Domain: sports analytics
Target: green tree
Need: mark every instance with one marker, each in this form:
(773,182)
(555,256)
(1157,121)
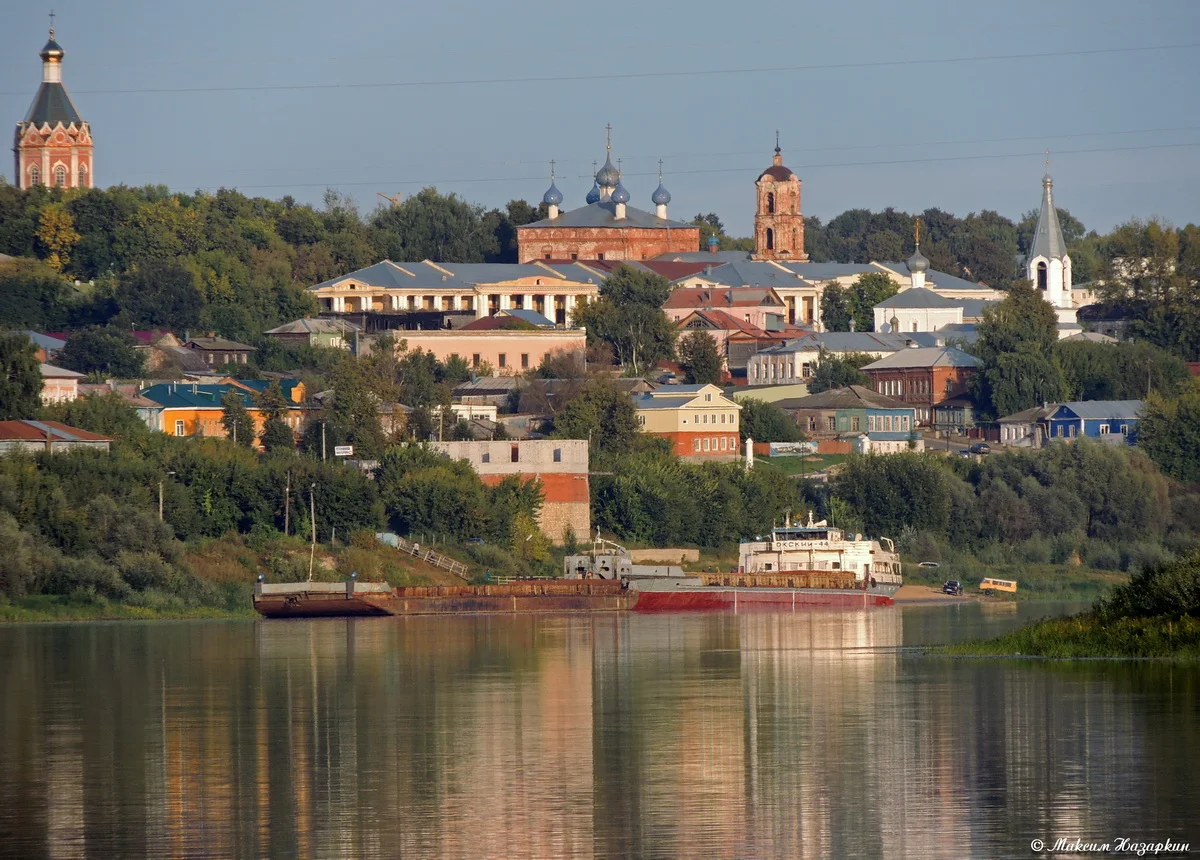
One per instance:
(1169,433)
(432,226)
(20,377)
(628,315)
(105,350)
(276,434)
(766,422)
(700,358)
(867,291)
(235,418)
(1016,348)
(160,294)
(835,308)
(107,414)
(600,413)
(34,296)
(839,371)
(1120,371)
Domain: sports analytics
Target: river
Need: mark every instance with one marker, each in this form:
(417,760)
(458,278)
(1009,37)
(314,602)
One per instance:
(819,734)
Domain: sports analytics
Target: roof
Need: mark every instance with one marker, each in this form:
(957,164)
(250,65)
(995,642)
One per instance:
(1029,416)
(49,371)
(850,397)
(974,308)
(717,297)
(721,321)
(487,385)
(751,273)
(828,271)
(1101,409)
(1091,337)
(148,338)
(856,341)
(603,214)
(37,431)
(126,391)
(530,316)
(777,172)
(936,356)
(314,326)
(217,343)
(195,394)
(720,257)
(1048,239)
(509,320)
(918,298)
(52,105)
(45,341)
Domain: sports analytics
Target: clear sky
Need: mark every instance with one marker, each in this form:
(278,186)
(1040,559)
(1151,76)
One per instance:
(878,103)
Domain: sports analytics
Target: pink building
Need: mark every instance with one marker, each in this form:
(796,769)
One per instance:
(59,385)
(761,307)
(506,352)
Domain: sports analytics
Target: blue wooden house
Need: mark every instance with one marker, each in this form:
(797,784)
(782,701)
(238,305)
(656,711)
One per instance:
(1106,420)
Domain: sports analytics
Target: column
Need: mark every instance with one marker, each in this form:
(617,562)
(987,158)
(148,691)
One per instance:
(570,300)
(47,179)
(505,301)
(527,302)
(480,305)
(73,179)
(395,299)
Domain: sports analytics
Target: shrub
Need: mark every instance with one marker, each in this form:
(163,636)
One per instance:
(1168,589)
(88,575)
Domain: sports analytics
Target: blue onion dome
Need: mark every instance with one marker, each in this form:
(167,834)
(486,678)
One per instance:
(607,176)
(593,196)
(620,195)
(918,262)
(552,197)
(661,196)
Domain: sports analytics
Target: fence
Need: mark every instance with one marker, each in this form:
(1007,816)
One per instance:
(426,555)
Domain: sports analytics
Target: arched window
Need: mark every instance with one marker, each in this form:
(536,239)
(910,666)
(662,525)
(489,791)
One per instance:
(60,176)
(771,203)
(770,239)
(35,175)
(1041,276)
(83,176)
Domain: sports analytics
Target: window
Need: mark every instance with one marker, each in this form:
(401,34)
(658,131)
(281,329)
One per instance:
(524,359)
(1041,276)
(707,398)
(832,421)
(180,429)
(704,418)
(547,256)
(1104,429)
(870,423)
(854,423)
(770,239)
(35,175)
(503,360)
(722,417)
(558,455)
(641,420)
(812,422)
(599,256)
(82,175)
(486,458)
(516,453)
(914,325)
(697,444)
(724,443)
(574,256)
(1071,431)
(1124,429)
(60,176)
(706,443)
(770,205)
(475,360)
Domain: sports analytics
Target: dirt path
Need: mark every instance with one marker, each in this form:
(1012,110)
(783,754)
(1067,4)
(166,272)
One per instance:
(928,594)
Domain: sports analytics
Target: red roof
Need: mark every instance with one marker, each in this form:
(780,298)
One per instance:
(36,431)
(719,297)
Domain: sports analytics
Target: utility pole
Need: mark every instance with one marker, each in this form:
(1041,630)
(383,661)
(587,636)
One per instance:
(322,441)
(287,502)
(160,497)
(312,501)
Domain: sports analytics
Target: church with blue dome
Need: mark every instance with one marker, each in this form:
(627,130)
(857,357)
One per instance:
(608,226)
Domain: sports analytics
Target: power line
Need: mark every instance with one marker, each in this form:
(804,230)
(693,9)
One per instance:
(803,167)
(930,61)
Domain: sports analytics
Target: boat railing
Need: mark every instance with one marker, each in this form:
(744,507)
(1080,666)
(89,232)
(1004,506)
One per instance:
(428,556)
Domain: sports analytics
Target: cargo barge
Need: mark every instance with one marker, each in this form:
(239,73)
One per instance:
(337,599)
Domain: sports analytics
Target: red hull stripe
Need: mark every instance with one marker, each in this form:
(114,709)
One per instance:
(750,601)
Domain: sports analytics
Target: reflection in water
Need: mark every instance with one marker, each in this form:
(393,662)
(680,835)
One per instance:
(808,734)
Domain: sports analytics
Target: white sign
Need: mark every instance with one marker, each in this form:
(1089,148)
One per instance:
(343,450)
(804,544)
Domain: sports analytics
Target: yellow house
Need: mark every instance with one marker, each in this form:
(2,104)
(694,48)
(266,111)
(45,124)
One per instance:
(699,420)
(194,409)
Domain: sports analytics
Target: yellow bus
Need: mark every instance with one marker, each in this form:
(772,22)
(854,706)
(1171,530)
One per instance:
(988,585)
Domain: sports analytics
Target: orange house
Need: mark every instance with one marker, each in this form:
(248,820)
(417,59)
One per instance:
(194,409)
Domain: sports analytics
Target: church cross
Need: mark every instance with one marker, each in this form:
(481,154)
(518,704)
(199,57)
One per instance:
(552,162)
(660,170)
(608,137)
(917,231)
(1047,159)
(51,21)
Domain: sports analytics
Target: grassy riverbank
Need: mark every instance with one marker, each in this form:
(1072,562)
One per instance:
(1155,615)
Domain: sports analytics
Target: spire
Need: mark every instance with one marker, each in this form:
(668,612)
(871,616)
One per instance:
(593,196)
(553,197)
(608,177)
(1048,239)
(778,151)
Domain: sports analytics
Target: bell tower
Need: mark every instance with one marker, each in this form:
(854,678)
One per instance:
(53,145)
(778,224)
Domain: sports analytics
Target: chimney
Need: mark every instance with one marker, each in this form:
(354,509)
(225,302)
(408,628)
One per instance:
(708,270)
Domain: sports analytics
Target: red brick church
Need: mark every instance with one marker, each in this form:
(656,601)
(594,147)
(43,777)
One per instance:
(53,144)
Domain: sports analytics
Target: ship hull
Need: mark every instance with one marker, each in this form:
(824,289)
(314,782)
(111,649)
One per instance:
(687,598)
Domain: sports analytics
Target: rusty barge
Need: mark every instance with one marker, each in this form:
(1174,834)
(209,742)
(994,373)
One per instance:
(339,599)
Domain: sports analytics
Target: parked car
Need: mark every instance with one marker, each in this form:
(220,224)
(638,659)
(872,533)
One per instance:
(952,586)
(667,379)
(980,448)
(475,541)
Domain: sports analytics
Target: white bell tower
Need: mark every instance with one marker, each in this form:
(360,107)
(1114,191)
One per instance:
(1049,265)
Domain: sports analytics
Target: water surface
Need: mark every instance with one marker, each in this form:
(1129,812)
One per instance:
(808,735)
